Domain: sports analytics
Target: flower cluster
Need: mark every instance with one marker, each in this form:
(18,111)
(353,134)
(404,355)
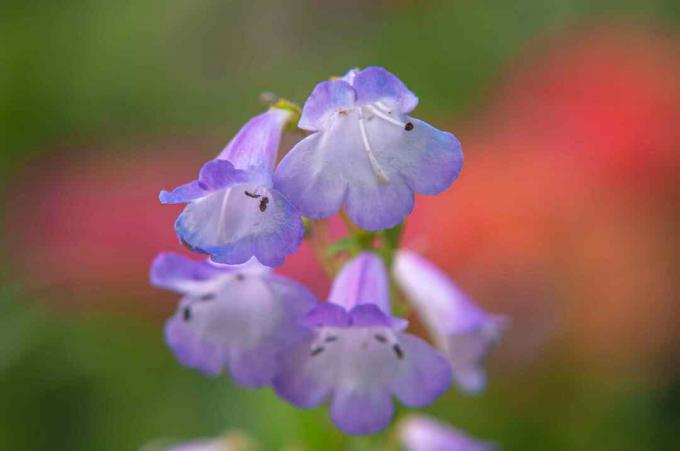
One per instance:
(364,157)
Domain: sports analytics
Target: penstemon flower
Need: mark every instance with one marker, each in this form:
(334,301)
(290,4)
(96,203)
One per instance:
(423,433)
(235,318)
(367,156)
(234,212)
(461,329)
(366,152)
(360,356)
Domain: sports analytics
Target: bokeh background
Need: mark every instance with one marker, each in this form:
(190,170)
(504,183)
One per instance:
(566,217)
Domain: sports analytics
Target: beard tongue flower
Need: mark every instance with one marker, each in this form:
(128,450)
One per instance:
(461,329)
(366,152)
(359,356)
(234,318)
(234,212)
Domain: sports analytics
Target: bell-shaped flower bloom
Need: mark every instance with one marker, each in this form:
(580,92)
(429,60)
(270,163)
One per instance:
(424,433)
(366,152)
(460,328)
(234,212)
(359,356)
(234,318)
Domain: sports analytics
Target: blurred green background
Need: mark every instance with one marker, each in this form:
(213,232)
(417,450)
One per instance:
(102,104)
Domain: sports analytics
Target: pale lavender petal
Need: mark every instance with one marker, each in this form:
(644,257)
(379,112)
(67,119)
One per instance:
(306,177)
(183,193)
(300,379)
(328,168)
(255,367)
(327,314)
(257,143)
(423,375)
(359,412)
(182,274)
(232,226)
(428,159)
(374,205)
(369,315)
(424,433)
(191,351)
(214,175)
(375,84)
(468,350)
(362,280)
(327,98)
(244,325)
(464,331)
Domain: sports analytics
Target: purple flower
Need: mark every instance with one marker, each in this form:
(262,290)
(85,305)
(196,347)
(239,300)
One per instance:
(461,329)
(423,433)
(238,318)
(359,356)
(233,211)
(366,152)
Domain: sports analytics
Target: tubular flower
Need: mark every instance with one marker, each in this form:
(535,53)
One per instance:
(234,212)
(461,329)
(359,356)
(365,152)
(235,318)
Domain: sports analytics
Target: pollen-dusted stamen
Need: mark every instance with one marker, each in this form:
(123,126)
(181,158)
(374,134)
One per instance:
(409,126)
(371,157)
(398,351)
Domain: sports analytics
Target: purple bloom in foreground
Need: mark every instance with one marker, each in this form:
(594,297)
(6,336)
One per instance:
(366,152)
(423,433)
(233,211)
(461,329)
(359,356)
(235,318)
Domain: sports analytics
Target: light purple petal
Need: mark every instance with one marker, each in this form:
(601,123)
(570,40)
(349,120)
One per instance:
(255,367)
(306,177)
(327,314)
(232,226)
(191,351)
(257,143)
(460,328)
(468,350)
(362,280)
(334,166)
(359,412)
(182,274)
(428,159)
(369,315)
(424,373)
(298,380)
(183,193)
(424,433)
(375,84)
(327,98)
(214,175)
(243,325)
